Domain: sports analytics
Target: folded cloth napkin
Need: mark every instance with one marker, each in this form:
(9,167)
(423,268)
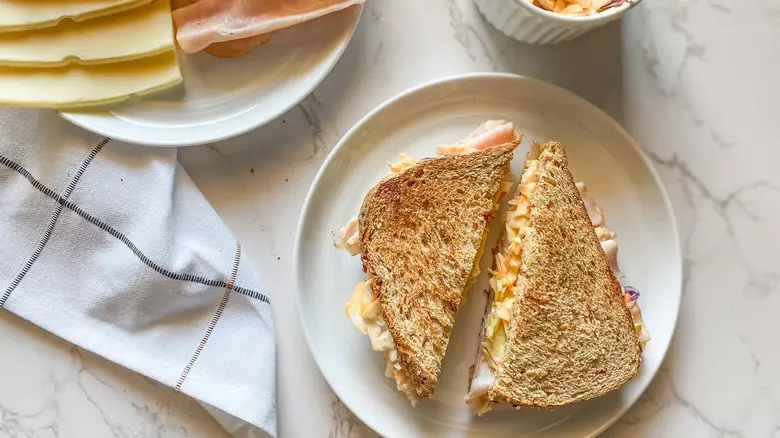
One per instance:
(112,247)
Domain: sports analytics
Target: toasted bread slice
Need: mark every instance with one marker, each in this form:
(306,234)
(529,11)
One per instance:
(570,336)
(421,231)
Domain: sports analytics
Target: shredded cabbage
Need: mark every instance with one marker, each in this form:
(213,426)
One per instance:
(364,311)
(578,7)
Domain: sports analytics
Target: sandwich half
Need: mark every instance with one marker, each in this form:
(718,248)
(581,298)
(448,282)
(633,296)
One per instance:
(557,326)
(420,233)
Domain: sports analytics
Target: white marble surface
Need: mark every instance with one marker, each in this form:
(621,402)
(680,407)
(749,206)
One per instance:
(696,83)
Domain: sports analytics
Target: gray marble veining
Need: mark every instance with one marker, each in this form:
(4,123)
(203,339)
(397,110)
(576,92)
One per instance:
(695,82)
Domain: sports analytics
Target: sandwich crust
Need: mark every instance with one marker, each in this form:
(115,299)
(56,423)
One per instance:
(420,232)
(571,337)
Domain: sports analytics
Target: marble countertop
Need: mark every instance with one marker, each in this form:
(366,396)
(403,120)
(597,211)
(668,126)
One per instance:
(695,82)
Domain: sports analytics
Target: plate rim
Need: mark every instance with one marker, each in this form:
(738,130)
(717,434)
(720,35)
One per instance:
(73,117)
(302,221)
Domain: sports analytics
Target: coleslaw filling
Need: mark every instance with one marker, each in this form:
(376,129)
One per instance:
(363,307)
(577,7)
(364,310)
(503,284)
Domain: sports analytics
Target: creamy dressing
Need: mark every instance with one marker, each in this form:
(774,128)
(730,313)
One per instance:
(503,285)
(505,276)
(364,311)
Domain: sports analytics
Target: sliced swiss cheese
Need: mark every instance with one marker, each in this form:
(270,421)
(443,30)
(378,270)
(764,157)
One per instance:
(144,31)
(35,14)
(80,85)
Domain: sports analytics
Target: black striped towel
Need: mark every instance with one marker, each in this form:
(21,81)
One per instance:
(112,247)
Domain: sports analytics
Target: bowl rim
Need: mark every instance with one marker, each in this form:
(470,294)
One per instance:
(601,17)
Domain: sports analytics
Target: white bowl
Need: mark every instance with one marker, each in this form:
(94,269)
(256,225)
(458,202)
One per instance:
(523,21)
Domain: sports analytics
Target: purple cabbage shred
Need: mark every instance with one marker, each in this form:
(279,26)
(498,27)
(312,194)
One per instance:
(632,292)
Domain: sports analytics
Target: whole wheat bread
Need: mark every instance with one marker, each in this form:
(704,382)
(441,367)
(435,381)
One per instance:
(420,232)
(571,336)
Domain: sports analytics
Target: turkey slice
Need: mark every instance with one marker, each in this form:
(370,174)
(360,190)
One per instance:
(231,49)
(205,22)
(228,49)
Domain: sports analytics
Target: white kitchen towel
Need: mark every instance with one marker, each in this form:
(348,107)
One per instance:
(112,247)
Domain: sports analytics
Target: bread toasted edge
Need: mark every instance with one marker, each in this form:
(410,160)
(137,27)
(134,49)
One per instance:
(425,381)
(554,152)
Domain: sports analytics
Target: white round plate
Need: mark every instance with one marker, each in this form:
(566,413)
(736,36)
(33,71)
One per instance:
(222,98)
(601,154)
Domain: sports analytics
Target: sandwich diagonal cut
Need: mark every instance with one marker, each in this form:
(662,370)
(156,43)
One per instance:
(556,328)
(421,232)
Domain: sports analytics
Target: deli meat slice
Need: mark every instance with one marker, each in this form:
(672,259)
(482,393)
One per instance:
(205,22)
(228,49)
(231,49)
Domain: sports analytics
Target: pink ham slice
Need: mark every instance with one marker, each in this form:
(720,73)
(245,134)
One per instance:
(228,49)
(205,22)
(231,49)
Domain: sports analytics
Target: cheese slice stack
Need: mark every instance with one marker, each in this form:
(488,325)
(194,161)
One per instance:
(83,61)
(18,15)
(135,34)
(79,86)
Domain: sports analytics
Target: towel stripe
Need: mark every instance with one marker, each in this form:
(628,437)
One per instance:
(38,249)
(214,320)
(121,237)
(50,226)
(35,183)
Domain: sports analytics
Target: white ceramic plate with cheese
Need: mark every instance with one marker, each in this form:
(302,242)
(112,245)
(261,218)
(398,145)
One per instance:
(601,154)
(223,98)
